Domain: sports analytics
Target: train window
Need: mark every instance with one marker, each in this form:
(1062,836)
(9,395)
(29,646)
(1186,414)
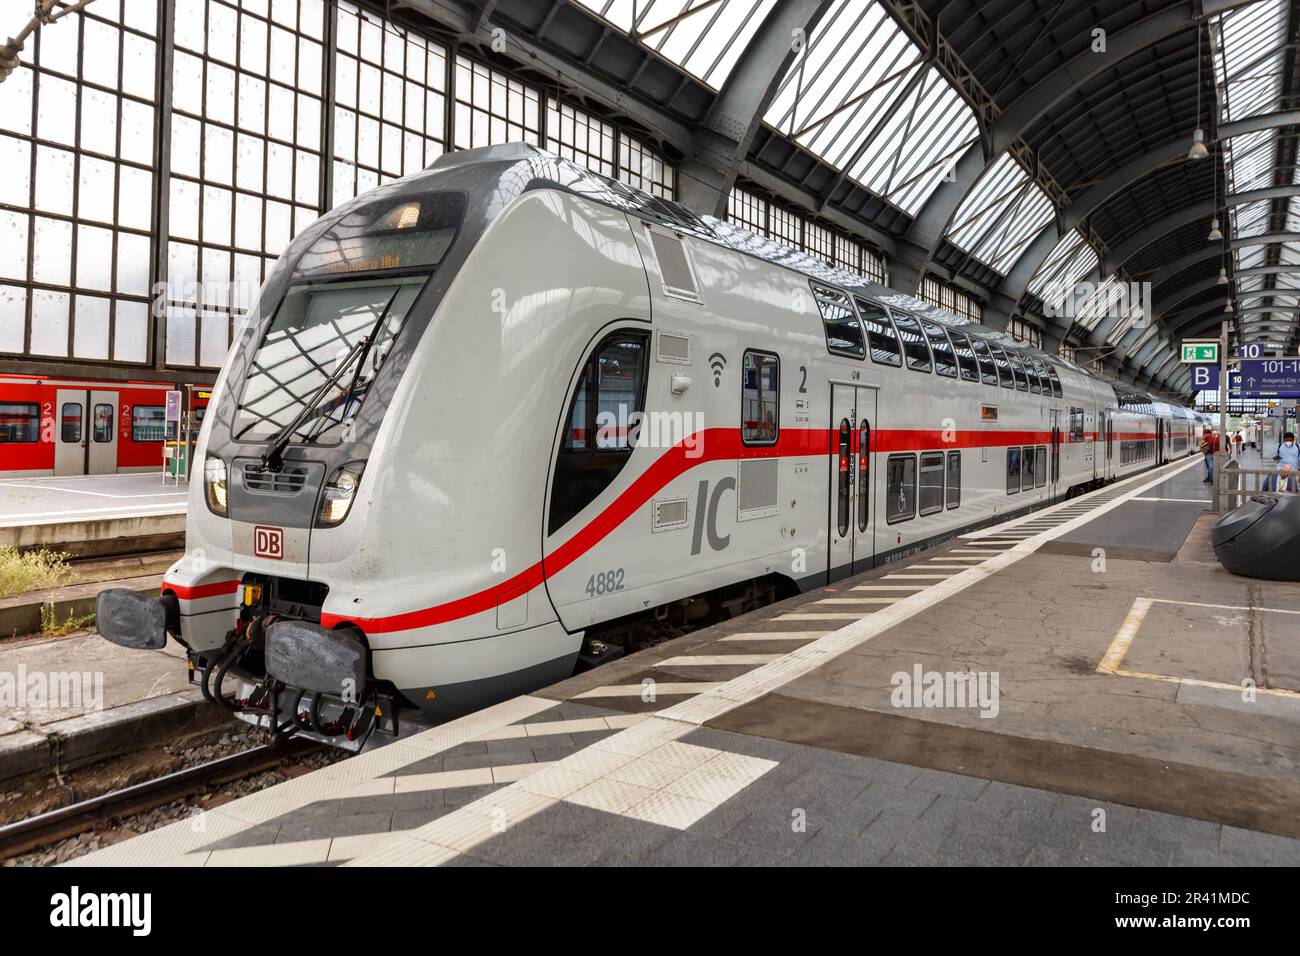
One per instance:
(900,488)
(1004,367)
(760,411)
(914,347)
(1076,424)
(1017,371)
(945,359)
(71,415)
(931,495)
(19,422)
(954,479)
(1056,381)
(881,336)
(843,330)
(843,478)
(1013,470)
(147,422)
(102,422)
(1044,383)
(1031,373)
(988,371)
(597,439)
(864,474)
(314,327)
(1027,468)
(1040,466)
(970,370)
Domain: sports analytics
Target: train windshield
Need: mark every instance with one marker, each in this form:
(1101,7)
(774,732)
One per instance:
(349,297)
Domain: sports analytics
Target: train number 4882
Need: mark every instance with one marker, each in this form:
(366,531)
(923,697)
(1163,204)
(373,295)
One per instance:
(605,581)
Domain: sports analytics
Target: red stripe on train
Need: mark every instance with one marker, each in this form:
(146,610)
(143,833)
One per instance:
(713,444)
(187,593)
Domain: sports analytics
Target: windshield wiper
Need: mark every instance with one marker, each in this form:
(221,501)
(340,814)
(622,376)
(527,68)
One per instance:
(272,458)
(349,394)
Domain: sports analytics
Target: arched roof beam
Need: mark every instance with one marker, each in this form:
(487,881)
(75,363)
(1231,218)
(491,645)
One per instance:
(721,143)
(1265,309)
(1168,271)
(1182,217)
(1026,267)
(934,218)
(1184,293)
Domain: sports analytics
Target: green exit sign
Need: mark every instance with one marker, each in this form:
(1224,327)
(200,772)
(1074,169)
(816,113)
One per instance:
(1200,351)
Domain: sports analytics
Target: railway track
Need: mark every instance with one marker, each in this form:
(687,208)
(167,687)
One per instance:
(69,821)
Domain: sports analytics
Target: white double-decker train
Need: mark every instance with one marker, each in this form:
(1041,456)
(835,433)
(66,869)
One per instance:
(505,413)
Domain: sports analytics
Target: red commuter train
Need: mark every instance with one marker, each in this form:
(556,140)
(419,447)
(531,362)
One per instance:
(53,426)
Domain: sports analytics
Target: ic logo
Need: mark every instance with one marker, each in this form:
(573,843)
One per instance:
(268,542)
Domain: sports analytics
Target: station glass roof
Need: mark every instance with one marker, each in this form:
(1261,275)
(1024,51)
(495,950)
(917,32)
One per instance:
(861,96)
(703,37)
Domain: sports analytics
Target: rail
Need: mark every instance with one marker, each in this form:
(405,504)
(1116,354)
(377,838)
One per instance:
(1231,483)
(16,838)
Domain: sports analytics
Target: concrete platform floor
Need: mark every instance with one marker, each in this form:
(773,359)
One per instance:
(32,501)
(68,701)
(1118,735)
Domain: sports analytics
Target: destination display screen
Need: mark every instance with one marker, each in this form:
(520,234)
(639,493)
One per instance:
(407,233)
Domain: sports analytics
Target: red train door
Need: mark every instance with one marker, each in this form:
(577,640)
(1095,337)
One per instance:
(102,440)
(852,538)
(1055,473)
(70,431)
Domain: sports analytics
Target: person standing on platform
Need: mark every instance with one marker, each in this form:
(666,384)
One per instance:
(1238,443)
(1287,457)
(1209,445)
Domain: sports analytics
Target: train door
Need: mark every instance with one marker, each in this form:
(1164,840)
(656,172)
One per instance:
(1110,444)
(1160,441)
(103,433)
(70,432)
(1103,437)
(852,529)
(1054,469)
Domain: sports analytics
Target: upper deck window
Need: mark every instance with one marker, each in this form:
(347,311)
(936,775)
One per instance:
(988,370)
(843,331)
(970,371)
(914,347)
(880,333)
(945,361)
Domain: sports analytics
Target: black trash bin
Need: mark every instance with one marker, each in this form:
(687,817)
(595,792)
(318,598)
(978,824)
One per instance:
(1261,539)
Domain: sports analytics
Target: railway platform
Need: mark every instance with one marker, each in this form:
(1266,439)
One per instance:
(1084,685)
(91,515)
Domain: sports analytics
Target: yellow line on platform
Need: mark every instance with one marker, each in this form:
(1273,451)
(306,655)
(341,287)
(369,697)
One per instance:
(1128,630)
(1137,614)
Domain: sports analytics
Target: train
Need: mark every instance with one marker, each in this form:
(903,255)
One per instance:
(52,426)
(505,418)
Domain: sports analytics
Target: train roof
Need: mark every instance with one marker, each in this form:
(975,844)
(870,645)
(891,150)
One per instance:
(532,168)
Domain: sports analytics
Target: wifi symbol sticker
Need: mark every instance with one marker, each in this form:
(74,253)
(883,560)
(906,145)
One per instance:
(717,362)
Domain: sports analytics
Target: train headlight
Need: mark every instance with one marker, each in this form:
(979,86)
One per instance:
(214,485)
(339,492)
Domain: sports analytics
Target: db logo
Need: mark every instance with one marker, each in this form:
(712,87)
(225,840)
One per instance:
(268,542)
